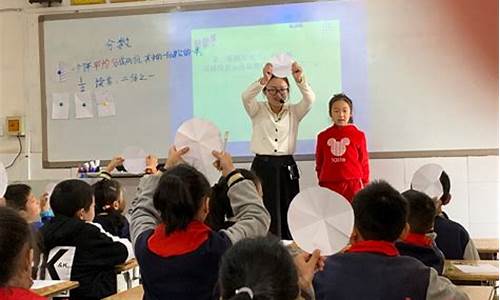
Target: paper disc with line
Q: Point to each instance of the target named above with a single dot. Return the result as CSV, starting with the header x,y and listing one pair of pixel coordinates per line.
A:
x,y
282,64
135,159
426,180
322,219
202,137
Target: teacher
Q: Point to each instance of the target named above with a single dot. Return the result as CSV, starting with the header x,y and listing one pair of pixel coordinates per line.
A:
x,y
275,125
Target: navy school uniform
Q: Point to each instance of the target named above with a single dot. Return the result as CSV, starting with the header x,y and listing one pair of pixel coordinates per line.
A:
x,y
422,248
453,240
184,264
374,270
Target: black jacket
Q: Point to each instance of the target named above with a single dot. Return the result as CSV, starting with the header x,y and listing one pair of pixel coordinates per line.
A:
x,y
96,256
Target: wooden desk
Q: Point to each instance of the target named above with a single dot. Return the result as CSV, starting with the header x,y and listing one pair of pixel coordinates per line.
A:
x,y
487,248
128,265
476,292
126,268
132,294
453,273
56,287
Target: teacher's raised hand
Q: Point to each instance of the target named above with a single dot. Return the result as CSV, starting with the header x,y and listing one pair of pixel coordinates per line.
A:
x,y
267,73
297,72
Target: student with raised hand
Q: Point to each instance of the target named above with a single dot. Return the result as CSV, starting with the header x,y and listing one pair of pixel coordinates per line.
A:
x,y
16,257
372,268
451,237
220,214
419,242
110,202
95,254
262,268
178,254
341,153
275,125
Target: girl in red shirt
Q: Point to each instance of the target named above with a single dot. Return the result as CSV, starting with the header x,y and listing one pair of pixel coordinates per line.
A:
x,y
341,155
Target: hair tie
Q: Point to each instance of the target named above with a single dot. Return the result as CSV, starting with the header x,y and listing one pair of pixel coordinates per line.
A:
x,y
244,290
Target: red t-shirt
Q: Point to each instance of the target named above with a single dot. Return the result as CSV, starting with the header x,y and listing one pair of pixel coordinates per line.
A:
x,y
13,293
341,155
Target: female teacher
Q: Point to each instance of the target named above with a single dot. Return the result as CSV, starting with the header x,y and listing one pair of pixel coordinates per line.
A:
x,y
275,124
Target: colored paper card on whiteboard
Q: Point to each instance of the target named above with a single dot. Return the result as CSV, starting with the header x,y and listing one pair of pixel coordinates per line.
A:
x,y
62,71
79,2
105,104
60,106
83,105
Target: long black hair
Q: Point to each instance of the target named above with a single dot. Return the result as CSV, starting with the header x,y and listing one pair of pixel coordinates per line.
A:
x,y
179,196
220,205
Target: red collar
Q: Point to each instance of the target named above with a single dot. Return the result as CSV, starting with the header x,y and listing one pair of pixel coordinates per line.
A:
x,y
178,242
418,239
379,247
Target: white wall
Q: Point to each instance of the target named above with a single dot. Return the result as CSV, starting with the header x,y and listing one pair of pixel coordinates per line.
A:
x,y
474,179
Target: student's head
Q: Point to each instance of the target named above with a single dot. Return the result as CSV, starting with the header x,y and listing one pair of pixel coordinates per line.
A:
x,y
20,197
220,205
262,265
182,196
16,255
340,109
379,212
73,198
277,89
421,211
444,179
108,196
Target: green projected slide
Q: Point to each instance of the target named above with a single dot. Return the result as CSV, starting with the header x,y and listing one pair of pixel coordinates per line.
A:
x,y
230,58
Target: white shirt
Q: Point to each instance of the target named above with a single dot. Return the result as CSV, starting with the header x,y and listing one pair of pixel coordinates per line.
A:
x,y
275,134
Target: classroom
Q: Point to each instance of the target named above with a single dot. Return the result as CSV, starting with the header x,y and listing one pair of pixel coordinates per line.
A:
x,y
422,74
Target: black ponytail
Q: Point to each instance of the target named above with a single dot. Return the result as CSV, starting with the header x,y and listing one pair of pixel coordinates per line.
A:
x,y
179,196
105,193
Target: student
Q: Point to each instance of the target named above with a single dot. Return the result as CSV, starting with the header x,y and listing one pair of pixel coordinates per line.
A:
x,y
21,198
371,268
110,203
178,254
341,155
275,124
91,254
220,215
419,242
262,268
452,238
16,257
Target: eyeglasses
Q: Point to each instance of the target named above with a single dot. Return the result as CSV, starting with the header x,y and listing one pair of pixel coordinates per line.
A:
x,y
273,91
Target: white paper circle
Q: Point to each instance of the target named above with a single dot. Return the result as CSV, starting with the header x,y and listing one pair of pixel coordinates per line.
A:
x,y
135,159
282,64
3,180
426,180
202,137
322,219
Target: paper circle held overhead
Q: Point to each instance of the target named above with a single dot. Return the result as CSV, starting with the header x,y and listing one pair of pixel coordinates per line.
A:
x,y
322,219
282,64
426,180
202,137
135,159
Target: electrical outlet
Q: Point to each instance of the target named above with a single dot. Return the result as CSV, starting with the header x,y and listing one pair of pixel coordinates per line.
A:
x,y
15,126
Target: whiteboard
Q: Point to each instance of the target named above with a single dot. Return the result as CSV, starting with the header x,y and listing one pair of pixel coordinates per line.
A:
x,y
161,68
